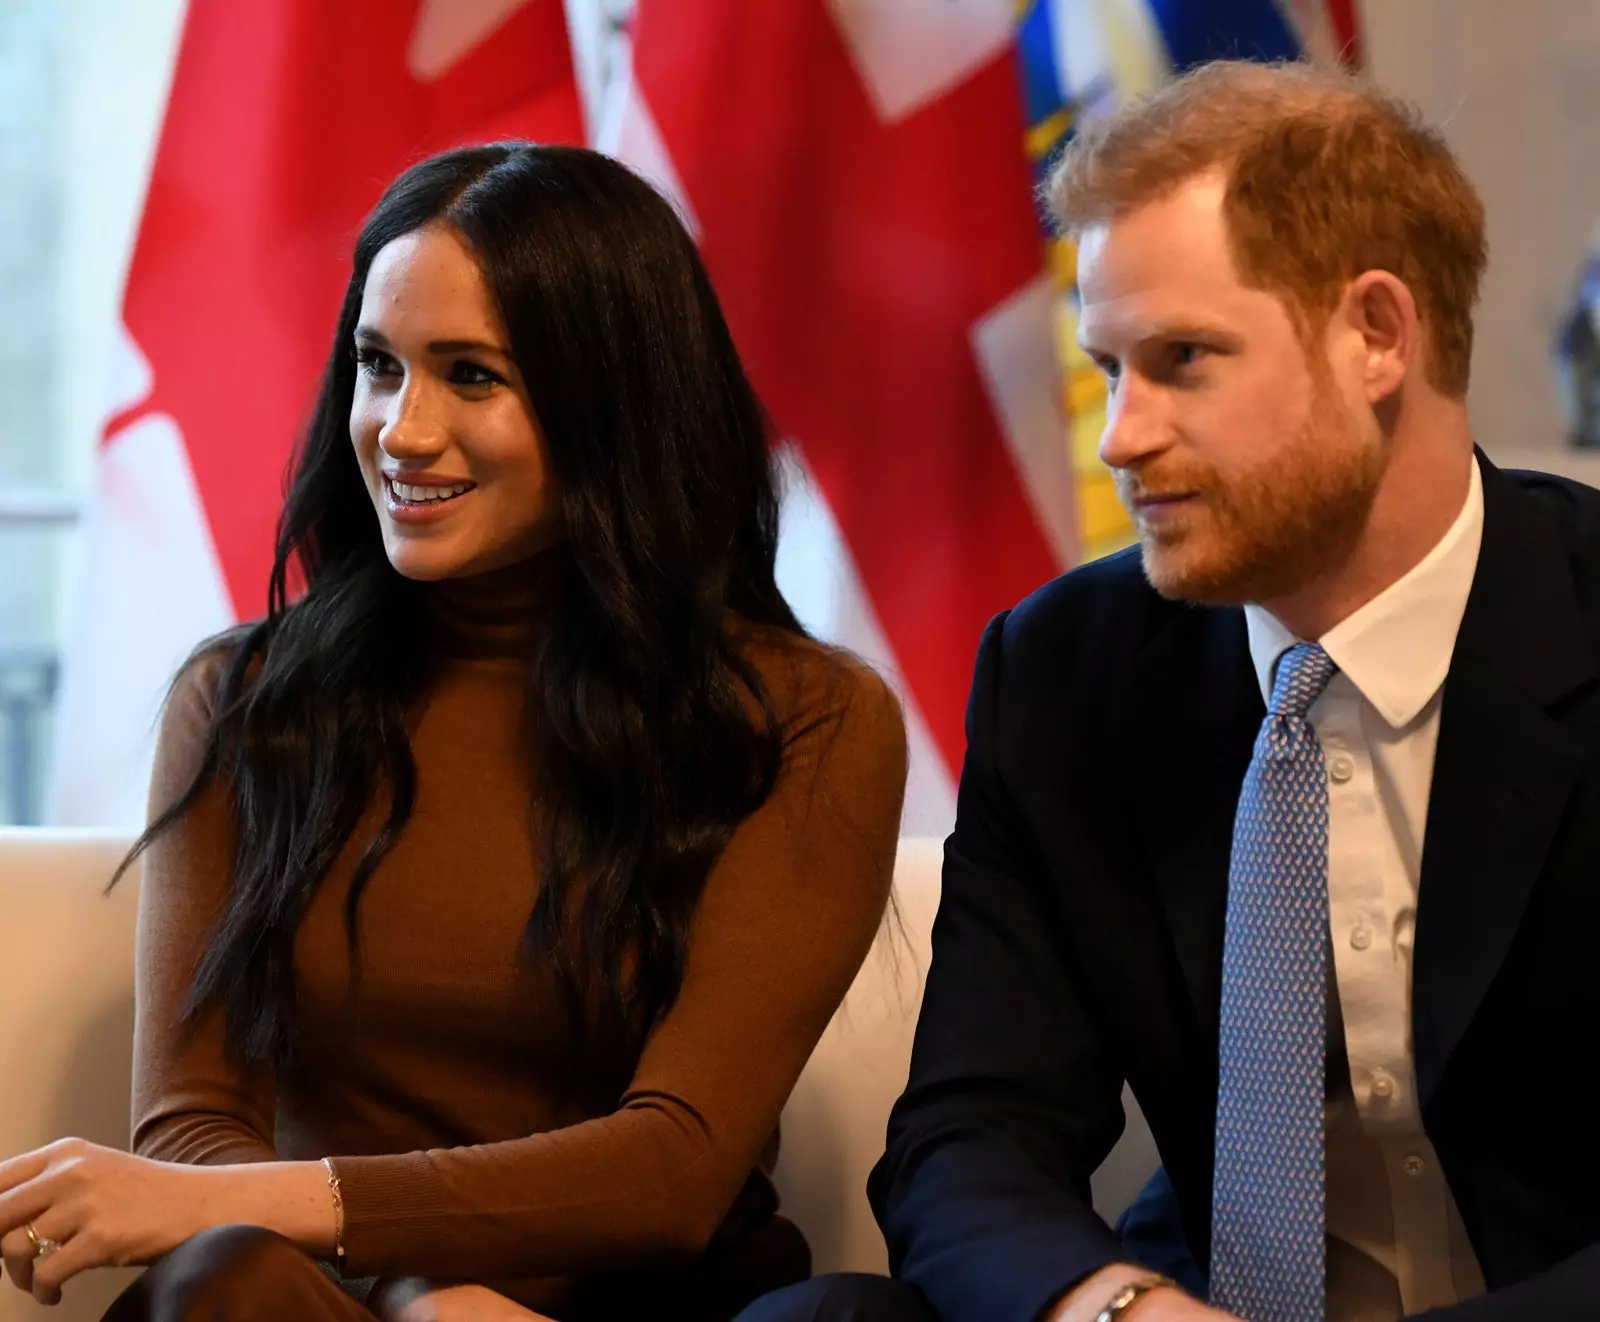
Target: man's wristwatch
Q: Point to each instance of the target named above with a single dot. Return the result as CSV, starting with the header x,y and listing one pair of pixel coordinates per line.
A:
x,y
1124,1299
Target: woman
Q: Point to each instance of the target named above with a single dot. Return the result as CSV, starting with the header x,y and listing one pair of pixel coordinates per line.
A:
x,y
517,864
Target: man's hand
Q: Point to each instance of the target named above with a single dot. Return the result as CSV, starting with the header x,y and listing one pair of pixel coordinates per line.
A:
x,y
1089,1299
411,1299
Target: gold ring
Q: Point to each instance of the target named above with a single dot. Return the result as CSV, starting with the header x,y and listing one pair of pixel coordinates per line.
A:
x,y
42,1248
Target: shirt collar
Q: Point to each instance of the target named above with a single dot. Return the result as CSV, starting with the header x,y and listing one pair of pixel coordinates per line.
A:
x,y
1396,649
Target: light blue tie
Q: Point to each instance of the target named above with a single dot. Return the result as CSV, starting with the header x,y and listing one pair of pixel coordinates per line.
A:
x,y
1268,1209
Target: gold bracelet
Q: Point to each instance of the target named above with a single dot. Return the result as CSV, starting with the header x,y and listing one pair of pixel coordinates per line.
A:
x,y
1125,1298
338,1214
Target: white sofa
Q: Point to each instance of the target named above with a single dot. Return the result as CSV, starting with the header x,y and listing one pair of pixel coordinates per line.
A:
x,y
66,1021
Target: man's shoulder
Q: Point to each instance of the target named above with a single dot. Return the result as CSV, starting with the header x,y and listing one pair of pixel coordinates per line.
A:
x,y
1572,505
1094,618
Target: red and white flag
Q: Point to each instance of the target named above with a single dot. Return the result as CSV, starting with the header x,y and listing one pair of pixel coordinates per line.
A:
x,y
854,171
284,123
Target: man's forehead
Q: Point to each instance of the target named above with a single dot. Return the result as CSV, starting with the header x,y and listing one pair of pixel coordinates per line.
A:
x,y
1160,303
1177,236
1162,267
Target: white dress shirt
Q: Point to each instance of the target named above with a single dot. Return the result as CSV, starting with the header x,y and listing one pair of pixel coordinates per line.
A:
x,y
1396,1244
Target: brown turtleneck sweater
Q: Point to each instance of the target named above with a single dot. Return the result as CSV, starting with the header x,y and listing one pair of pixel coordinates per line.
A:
x,y
446,1083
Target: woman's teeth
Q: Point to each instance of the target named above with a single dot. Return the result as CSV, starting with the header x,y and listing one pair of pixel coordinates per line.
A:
x,y
415,495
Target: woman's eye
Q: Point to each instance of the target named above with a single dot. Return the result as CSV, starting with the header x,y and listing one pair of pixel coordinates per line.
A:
x,y
472,374
1187,354
374,362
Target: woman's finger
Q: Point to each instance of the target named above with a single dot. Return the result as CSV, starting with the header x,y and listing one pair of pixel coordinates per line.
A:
x,y
21,1252
21,1169
78,1253
24,1201
19,1270
18,1252
27,1205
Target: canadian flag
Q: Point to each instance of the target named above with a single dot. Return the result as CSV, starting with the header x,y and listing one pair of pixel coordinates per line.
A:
x,y
284,123
855,174
854,171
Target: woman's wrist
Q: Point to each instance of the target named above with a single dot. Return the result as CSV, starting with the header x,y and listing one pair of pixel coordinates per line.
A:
x,y
292,1198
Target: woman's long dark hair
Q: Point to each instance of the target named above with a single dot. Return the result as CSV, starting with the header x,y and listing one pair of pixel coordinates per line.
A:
x,y
650,736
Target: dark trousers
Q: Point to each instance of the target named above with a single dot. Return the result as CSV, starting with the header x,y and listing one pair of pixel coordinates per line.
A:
x,y
247,1274
846,1297
235,1274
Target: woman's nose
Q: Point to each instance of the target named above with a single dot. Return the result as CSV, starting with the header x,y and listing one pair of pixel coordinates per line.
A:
x,y
416,423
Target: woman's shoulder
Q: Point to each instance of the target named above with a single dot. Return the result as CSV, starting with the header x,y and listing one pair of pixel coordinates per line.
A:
x,y
845,754
814,685
201,677
198,688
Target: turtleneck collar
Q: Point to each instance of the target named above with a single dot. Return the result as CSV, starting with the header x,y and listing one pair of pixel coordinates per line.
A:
x,y
497,614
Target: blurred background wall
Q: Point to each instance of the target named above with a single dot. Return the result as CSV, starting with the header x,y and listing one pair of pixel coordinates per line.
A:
x,y
1516,88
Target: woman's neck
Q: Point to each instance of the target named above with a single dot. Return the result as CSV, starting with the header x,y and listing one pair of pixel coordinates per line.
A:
x,y
498,613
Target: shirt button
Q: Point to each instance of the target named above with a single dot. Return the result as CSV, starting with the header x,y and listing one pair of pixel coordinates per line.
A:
x,y
1341,768
1360,936
1382,1085
1412,1164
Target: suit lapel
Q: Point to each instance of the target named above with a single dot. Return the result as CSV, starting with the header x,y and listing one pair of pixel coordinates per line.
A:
x,y
1505,768
1200,711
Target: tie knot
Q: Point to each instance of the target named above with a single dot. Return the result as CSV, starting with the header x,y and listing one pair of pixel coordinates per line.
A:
x,y
1303,672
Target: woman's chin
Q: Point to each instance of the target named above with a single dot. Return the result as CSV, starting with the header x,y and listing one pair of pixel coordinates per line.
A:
x,y
424,564
428,559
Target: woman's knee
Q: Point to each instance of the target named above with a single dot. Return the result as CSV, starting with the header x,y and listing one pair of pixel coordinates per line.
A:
x,y
843,1297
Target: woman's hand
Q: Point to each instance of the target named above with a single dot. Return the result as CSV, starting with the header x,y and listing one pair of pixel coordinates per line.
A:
x,y
410,1299
104,1208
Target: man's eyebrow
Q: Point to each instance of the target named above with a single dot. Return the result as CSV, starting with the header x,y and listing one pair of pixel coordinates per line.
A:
x,y
1183,328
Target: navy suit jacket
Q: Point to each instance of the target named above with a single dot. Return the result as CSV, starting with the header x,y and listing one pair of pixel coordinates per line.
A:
x,y
1079,938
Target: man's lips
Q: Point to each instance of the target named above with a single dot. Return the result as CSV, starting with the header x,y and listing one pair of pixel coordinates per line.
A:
x,y
1162,499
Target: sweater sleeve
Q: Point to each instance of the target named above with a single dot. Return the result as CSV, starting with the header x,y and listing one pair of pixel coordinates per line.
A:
x,y
787,916
190,1102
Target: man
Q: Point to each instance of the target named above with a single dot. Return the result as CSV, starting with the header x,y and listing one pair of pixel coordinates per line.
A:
x,y
1290,819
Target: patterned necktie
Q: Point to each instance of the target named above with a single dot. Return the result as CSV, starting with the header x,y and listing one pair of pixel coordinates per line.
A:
x,y
1268,1212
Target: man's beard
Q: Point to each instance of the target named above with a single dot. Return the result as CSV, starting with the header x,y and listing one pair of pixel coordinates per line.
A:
x,y
1270,531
